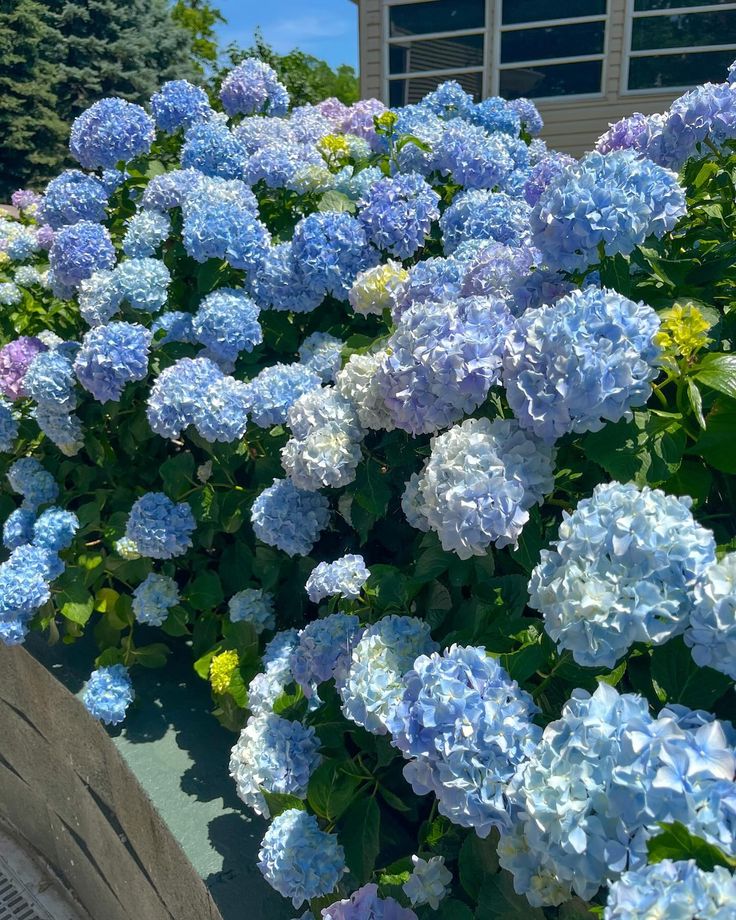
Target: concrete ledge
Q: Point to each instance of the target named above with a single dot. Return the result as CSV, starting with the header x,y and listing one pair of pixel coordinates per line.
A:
x,y
66,789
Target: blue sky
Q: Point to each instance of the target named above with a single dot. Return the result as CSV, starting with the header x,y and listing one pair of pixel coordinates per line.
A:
x,y
327,29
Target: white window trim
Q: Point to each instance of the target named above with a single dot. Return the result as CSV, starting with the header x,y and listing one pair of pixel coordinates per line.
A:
x,y
628,53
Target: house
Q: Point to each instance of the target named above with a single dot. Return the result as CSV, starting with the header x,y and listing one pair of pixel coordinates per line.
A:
x,y
585,63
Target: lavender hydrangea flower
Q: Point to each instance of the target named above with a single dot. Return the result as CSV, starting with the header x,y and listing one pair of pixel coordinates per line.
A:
x,y
323,651
673,890
110,357
289,518
480,214
226,322
108,694
28,478
706,112
331,249
711,632
253,88
622,571
145,231
15,359
298,859
397,213
365,904
638,132
179,104
109,131
275,755
344,577
429,881
254,606
586,360
153,598
78,251
275,389
322,353
540,175
360,120
73,196
464,726
478,486
159,528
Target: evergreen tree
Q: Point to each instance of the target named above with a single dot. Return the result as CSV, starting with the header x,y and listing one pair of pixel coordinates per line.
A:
x,y
31,131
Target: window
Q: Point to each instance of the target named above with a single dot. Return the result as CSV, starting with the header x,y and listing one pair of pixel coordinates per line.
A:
x,y
543,53
676,44
431,41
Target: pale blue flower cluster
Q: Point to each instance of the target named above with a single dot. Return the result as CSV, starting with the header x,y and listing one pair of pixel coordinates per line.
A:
x,y
279,164
108,694
531,120
64,429
472,157
110,357
581,362
323,651
37,486
28,276
322,353
479,214
497,116
99,298
375,683
642,133
50,381
275,389
24,587
711,632
299,859
449,100
542,173
397,213
54,530
144,233
18,528
442,360
435,280
479,484
177,327
153,599
254,606
143,283
253,88
226,323
179,104
109,131
269,685
213,149
169,190
73,196
429,881
77,252
464,726
10,294
330,249
289,518
672,890
276,755
705,113
623,570
8,426
605,202
344,577
365,904
279,284
159,528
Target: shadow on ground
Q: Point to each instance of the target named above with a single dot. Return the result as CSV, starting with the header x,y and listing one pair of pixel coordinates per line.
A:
x,y
179,754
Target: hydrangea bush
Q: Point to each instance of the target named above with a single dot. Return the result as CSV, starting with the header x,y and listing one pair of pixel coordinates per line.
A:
x,y
418,433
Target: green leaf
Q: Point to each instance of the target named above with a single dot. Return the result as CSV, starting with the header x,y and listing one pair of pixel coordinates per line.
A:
x,y
696,402
372,490
175,623
575,909
498,901
74,600
718,371
152,656
715,444
647,450
205,592
478,859
682,681
359,835
677,843
452,909
331,790
279,802
430,563
202,664
177,474
336,201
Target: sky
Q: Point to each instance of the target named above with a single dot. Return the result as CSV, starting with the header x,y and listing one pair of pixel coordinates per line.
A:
x,y
328,29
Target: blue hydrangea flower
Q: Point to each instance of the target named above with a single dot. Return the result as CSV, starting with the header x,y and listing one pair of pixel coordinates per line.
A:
x,y
28,276
54,529
253,88
226,322
73,196
61,427
169,190
268,686
144,233
142,283
479,214
289,518
478,486
177,327
586,360
540,175
442,360
496,116
642,133
108,694
153,598
279,163
179,104
274,390
359,383
435,280
322,406
429,881
672,890
278,284
417,121
472,157
328,455
24,587
8,426
323,651
37,486
298,859
213,149
614,201
109,131
262,131
255,606
50,381
18,528
374,685
397,213
224,411
330,250
10,294
365,904
464,726
708,111
112,356
77,252
344,577
159,528
322,353
711,633
531,120
99,298
449,100
622,571
275,755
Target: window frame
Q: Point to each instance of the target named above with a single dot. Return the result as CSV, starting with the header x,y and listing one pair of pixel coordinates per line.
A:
x,y
629,53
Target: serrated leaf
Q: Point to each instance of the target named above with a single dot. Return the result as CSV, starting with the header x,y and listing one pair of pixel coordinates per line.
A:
x,y
205,592
359,835
279,802
331,790
677,843
718,371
